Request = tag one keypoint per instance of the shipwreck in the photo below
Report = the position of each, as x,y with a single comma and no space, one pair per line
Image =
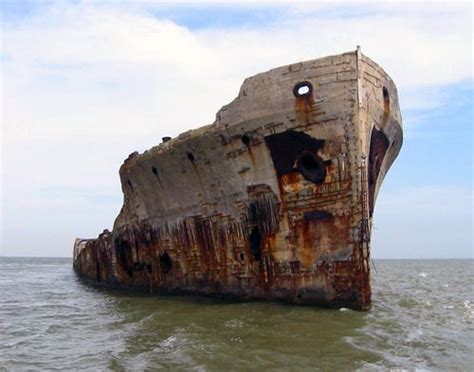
273,201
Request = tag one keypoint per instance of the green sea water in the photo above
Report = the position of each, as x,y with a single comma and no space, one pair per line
422,319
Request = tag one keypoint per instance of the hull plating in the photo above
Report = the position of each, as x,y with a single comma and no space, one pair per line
274,200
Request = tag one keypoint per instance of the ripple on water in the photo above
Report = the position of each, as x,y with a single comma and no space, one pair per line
422,318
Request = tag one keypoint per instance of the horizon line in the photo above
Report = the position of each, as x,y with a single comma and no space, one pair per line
378,258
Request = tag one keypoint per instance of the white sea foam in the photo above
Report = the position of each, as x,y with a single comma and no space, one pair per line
469,307
169,342
234,323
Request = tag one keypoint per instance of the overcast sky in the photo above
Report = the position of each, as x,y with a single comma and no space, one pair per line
85,83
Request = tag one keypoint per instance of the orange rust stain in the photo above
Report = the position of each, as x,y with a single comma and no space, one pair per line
303,107
282,193
270,243
291,182
200,263
321,237
252,157
349,280
306,252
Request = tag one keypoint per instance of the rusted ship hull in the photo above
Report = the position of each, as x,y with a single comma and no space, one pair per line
274,200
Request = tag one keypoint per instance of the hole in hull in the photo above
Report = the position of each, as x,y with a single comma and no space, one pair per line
303,89
123,254
311,167
286,147
255,240
165,263
378,147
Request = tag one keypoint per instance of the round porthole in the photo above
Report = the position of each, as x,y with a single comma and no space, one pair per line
245,139
303,89
311,167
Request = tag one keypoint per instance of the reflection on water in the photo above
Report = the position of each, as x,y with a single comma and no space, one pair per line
422,318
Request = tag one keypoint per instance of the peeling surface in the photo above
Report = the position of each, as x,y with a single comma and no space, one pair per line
274,200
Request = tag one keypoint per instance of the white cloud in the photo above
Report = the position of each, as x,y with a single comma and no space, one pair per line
85,84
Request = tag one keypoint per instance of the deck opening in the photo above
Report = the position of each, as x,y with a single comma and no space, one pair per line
255,240
303,89
311,167
165,263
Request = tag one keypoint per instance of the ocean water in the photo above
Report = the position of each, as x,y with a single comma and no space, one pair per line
422,319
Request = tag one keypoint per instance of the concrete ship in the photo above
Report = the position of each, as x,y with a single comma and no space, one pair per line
272,201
